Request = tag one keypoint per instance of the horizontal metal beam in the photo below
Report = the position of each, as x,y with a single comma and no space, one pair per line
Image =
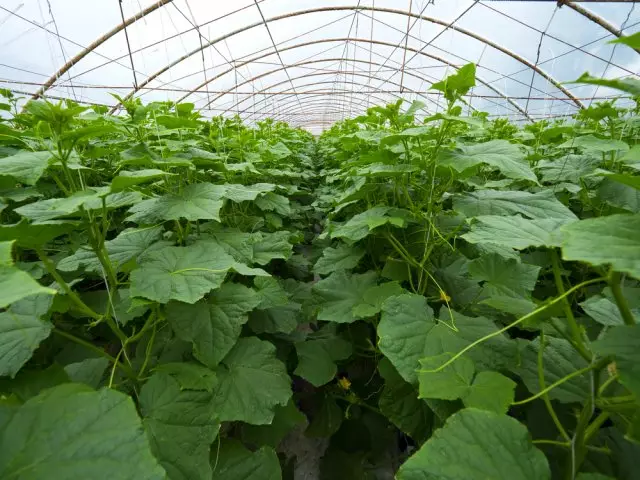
288,106
595,18
308,75
378,42
262,110
282,103
96,43
433,20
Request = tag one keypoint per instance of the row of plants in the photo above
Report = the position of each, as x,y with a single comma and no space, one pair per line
447,298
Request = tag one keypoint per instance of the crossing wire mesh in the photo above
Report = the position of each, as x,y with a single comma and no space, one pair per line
315,62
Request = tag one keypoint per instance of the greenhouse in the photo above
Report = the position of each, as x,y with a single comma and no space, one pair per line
319,240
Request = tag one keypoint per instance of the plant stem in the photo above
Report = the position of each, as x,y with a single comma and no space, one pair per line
150,322
576,333
147,353
97,350
568,445
543,386
578,450
606,384
615,283
564,379
48,264
516,322
593,428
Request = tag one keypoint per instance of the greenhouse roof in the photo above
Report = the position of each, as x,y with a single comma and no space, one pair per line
314,62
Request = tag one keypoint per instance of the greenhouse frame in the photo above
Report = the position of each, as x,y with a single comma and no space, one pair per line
319,240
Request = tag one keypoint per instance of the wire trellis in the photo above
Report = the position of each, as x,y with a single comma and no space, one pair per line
378,45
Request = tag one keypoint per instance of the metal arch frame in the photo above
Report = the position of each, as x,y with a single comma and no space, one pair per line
95,44
316,110
366,40
321,105
271,72
495,89
286,102
255,59
315,93
319,111
595,18
464,31
77,58
311,94
288,110
294,65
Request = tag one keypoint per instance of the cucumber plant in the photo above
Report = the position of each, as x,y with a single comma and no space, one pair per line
449,297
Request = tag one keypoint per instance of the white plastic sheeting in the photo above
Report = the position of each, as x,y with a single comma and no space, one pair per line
332,58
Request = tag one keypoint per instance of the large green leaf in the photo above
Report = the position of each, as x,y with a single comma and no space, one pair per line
381,169
120,302
569,168
88,200
130,244
198,201
26,167
272,202
270,292
542,204
234,462
246,193
500,154
605,311
613,240
590,143
629,85
16,284
326,420
286,419
559,359
374,297
359,226
342,257
616,191
339,293
632,181
52,208
190,375
404,327
622,343
269,246
399,402
487,390
281,319
31,235
632,40
497,353
181,427
477,445
126,179
185,273
490,391
450,383
515,232
318,353
459,83
71,431
22,328
252,382
505,275
213,326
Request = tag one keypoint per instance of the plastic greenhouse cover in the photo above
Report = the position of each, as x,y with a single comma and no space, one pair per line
314,62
